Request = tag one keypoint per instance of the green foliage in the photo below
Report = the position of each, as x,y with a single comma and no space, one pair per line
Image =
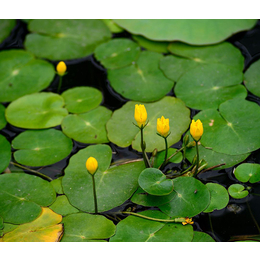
5,153
248,172
2,117
237,191
62,206
252,78
6,26
202,237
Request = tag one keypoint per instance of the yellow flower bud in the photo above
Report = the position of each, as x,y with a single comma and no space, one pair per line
91,165
196,129
61,68
163,127
140,115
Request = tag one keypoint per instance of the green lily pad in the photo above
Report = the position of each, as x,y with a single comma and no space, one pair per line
83,227
5,153
248,172
56,184
117,53
202,237
252,78
140,80
112,26
113,185
219,197
138,229
41,147
36,111
2,117
21,196
45,228
192,198
237,191
89,127
141,197
64,39
189,57
22,74
159,159
123,133
63,207
154,182
1,223
192,31
6,26
81,99
210,85
233,129
160,47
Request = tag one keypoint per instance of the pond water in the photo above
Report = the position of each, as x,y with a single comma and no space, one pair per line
241,217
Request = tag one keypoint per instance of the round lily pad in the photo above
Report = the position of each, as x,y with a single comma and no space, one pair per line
159,159
21,196
6,26
64,39
112,26
113,185
62,206
117,53
140,80
21,74
219,197
138,229
248,172
81,99
45,228
36,111
122,132
202,237
5,153
192,31
210,85
233,129
192,198
41,147
89,127
154,182
237,191
2,117
83,227
252,78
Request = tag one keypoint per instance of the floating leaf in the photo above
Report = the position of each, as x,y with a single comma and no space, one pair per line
117,53
112,26
83,227
159,159
21,196
81,99
140,80
45,228
237,191
192,31
6,26
219,197
89,127
63,39
122,132
233,129
36,111
138,229
113,185
141,197
192,198
62,206
248,172
252,78
202,237
2,117
160,47
154,182
5,153
210,85
22,74
56,184
41,147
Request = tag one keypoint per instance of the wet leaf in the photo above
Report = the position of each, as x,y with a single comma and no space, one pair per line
237,191
62,206
6,26
5,153
252,78
248,172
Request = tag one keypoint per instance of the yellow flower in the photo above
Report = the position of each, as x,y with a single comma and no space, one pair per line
140,115
61,68
187,221
163,127
91,165
196,129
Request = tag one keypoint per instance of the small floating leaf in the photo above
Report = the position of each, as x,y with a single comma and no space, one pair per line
2,117
6,26
5,153
56,184
41,147
62,206
252,78
248,172
202,237
237,191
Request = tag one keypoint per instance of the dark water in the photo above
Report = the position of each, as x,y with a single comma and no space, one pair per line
241,217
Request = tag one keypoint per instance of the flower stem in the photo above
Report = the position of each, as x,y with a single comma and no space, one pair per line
197,149
59,86
94,193
166,152
168,159
146,161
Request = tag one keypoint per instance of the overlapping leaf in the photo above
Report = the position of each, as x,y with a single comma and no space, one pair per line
5,153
